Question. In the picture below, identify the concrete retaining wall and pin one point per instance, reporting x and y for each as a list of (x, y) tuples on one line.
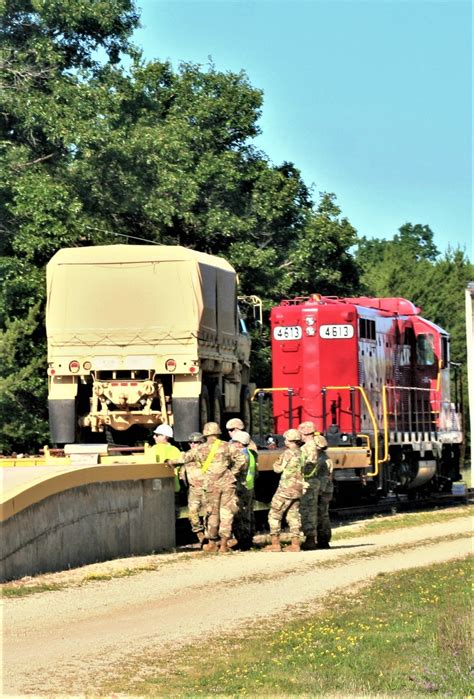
[(93, 522)]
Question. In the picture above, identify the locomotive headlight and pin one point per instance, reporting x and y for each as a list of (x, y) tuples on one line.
[(309, 320), (310, 331)]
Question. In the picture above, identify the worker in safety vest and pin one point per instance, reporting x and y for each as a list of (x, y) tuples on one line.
[(286, 500), (221, 466), (162, 451), (326, 490), (309, 501), (244, 524)]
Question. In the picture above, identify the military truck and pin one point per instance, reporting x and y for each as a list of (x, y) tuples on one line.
[(140, 335)]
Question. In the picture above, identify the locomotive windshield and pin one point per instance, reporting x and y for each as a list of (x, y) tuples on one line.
[(425, 355)]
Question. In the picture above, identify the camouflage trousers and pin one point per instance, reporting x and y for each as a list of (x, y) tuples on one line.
[(221, 508), (309, 508), (244, 521), (196, 504), (280, 507), (324, 498)]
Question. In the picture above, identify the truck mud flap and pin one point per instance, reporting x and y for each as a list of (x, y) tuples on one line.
[(62, 420), (186, 418)]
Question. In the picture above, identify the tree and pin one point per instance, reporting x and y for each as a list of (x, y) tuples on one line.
[(91, 150)]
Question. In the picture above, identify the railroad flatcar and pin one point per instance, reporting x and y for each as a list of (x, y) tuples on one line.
[(377, 380)]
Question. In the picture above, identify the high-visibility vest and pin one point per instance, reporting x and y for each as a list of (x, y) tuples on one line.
[(164, 451), (252, 469), (211, 455)]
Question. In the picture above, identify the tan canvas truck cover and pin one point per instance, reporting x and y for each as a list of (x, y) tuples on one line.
[(137, 295), (132, 307)]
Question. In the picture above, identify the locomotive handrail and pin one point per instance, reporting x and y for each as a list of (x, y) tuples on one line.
[(374, 423)]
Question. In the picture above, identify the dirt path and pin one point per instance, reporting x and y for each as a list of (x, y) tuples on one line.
[(66, 641)]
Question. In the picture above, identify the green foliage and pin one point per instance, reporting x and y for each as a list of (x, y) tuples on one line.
[(91, 151)]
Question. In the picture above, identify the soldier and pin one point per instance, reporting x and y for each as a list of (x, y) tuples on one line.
[(288, 494), (191, 473), (244, 524), (309, 501), (221, 465), (325, 468), (235, 424)]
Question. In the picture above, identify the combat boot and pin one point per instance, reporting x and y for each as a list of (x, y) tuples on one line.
[(295, 545), (210, 547), (232, 542), (309, 544), (275, 545), (224, 547)]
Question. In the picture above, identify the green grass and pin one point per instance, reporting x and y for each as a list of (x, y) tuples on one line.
[(407, 634), (383, 523), (14, 590)]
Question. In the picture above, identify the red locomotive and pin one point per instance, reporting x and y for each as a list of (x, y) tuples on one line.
[(375, 378)]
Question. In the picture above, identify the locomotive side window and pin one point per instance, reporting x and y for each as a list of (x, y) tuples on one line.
[(425, 350), (444, 351), (366, 329)]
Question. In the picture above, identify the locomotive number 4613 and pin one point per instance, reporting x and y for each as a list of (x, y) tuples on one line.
[(336, 331), (287, 332)]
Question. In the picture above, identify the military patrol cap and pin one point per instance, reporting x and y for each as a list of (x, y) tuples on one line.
[(307, 427), (234, 423), (195, 437), (242, 437), (321, 442), (211, 428), (292, 436)]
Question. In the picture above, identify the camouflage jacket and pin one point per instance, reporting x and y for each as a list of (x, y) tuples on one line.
[(191, 471), (289, 464), (325, 466), (309, 451), (225, 464)]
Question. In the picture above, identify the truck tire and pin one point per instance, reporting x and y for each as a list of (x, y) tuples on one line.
[(246, 408), (204, 407), (217, 409)]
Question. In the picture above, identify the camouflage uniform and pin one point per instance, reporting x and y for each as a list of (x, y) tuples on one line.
[(191, 472), (325, 468), (287, 497), (309, 500), (220, 487), (244, 520)]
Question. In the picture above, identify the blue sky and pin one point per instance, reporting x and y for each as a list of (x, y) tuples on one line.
[(371, 100)]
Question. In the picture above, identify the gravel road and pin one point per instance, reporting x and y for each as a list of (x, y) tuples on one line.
[(66, 641)]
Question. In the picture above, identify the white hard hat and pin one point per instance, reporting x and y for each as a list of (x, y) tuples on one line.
[(164, 429)]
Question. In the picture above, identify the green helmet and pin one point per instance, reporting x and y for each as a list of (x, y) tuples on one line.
[(195, 437), (211, 428)]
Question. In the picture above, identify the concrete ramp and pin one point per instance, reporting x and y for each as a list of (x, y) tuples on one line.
[(58, 517)]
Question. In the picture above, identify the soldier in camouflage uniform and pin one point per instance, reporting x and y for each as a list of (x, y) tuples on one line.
[(221, 466), (325, 468), (309, 501), (286, 500), (244, 523), (191, 473)]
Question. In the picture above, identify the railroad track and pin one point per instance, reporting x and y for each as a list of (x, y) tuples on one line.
[(388, 506)]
